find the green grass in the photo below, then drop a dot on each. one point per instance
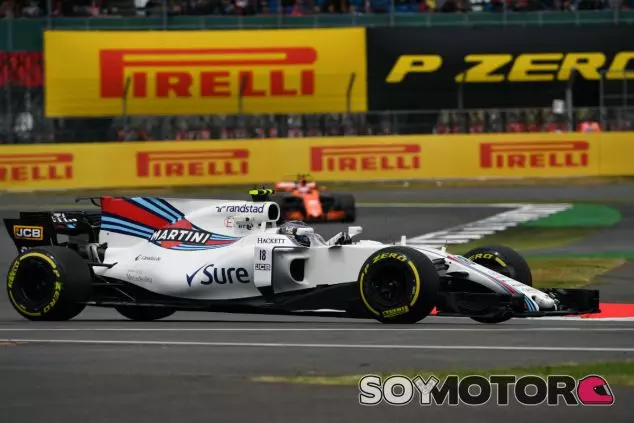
(579, 216)
(569, 272)
(617, 373)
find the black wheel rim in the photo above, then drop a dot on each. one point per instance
(389, 285)
(34, 283)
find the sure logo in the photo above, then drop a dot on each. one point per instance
(31, 233)
(210, 274)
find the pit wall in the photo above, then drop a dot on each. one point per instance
(262, 161)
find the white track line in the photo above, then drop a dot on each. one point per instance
(462, 234)
(584, 319)
(475, 328)
(440, 205)
(329, 346)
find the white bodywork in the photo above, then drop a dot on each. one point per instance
(256, 255)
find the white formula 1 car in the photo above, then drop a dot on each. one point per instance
(148, 257)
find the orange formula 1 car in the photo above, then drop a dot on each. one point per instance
(305, 200)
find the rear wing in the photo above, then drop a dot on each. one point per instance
(37, 229)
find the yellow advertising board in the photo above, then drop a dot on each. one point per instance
(204, 72)
(263, 161)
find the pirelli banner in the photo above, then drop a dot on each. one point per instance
(152, 164)
(440, 68)
(92, 73)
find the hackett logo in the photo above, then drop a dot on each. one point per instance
(365, 158)
(213, 72)
(192, 163)
(36, 167)
(522, 155)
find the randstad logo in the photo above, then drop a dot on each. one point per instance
(242, 208)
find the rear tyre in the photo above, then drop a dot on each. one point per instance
(398, 285)
(505, 261)
(49, 284)
(348, 205)
(144, 313)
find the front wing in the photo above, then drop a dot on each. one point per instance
(571, 302)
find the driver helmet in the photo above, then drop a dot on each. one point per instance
(290, 228)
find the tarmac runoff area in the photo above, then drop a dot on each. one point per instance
(198, 367)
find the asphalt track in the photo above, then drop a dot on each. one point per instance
(199, 367)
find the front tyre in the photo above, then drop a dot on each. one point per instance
(398, 285)
(503, 260)
(144, 313)
(49, 284)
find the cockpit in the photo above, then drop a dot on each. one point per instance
(306, 236)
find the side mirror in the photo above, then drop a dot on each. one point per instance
(354, 230)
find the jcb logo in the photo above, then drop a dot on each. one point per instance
(31, 233)
(528, 67)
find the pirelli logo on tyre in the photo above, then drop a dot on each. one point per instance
(365, 158)
(208, 72)
(382, 256)
(192, 163)
(542, 154)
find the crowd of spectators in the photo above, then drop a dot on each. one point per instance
(87, 8)
(446, 122)
(58, 8)
(32, 127)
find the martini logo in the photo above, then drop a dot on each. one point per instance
(36, 167)
(209, 73)
(159, 222)
(195, 163)
(523, 155)
(182, 235)
(365, 158)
